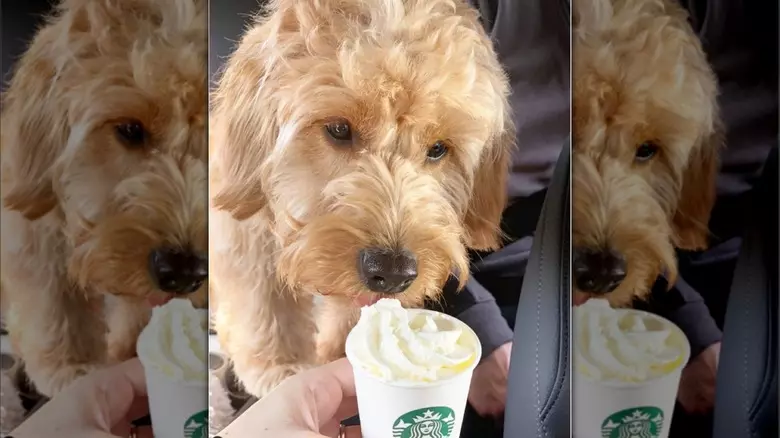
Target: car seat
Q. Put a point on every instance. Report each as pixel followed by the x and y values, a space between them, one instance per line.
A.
pixel 538 402
pixel 20 20
pixel 227 24
pixel 746 391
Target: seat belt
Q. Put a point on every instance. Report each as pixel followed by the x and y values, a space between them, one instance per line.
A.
pixel 538 386
pixel 747 381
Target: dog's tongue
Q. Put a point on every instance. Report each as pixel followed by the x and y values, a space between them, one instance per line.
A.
pixel 157 300
pixel 366 299
pixel 579 298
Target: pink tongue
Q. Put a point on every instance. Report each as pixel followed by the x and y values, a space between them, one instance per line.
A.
pixel 366 299
pixel 579 298
pixel 156 300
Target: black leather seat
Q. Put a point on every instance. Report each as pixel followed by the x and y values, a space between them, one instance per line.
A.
pixel 746 391
pixel 538 402
pixel 227 24
pixel 19 22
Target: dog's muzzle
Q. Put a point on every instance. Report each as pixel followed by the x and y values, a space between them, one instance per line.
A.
pixel 598 272
pixel 178 271
pixel 387 271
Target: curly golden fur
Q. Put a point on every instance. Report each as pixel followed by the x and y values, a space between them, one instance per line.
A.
pixel 291 207
pixel 641 80
pixel 84 207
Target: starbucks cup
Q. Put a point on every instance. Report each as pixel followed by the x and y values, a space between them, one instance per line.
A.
pixel 173 350
pixel 621 409
pixel 178 409
pixel 405 409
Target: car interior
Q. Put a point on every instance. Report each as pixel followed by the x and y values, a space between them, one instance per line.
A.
pixel 746 394
pixel 538 391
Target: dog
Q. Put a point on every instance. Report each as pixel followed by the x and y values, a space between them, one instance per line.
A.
pixel 104 185
pixel 358 148
pixel 646 139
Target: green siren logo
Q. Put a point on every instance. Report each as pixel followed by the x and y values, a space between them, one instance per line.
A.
pixel 641 422
pixel 197 425
pixel 432 422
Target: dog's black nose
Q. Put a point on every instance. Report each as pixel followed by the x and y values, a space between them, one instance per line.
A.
pixel 387 271
pixel 177 270
pixel 598 272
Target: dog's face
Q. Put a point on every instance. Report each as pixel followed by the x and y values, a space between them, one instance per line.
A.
pixel 375 137
pixel 104 126
pixel 646 139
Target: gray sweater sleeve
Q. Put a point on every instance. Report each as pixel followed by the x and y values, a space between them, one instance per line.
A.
pixel 476 306
pixel 685 306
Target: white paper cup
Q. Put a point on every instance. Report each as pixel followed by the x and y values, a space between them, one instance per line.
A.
pixel 178 409
pixel 419 410
pixel 627 409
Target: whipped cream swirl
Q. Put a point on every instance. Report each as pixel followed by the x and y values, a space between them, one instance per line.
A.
pixel 175 341
pixel 410 346
pixel 625 345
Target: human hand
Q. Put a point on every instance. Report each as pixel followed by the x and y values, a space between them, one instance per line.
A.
pixel 307 405
pixel 99 405
pixel 697 384
pixel 487 394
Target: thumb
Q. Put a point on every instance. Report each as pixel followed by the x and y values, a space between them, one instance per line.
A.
pixel 116 391
pixel 329 389
pixel 145 432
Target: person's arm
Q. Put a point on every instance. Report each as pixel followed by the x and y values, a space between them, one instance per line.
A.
pixel 694 318
pixel 475 306
pixel 684 306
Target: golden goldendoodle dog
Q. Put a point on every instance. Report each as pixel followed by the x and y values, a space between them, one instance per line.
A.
pixel 647 134
pixel 104 185
pixel 358 147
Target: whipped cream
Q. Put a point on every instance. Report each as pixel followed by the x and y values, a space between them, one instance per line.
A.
pixel 625 345
pixel 410 346
pixel 175 342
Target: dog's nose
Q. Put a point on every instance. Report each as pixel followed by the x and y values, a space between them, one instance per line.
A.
pixel 598 272
pixel 387 271
pixel 178 270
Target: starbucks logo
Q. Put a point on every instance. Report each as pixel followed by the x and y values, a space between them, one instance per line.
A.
pixel 433 422
pixel 197 425
pixel 641 422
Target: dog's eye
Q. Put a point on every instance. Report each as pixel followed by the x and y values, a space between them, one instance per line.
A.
pixel 339 130
pixel 646 151
pixel 437 151
pixel 132 133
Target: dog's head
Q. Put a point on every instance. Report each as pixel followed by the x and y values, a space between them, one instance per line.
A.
pixel 373 135
pixel 646 137
pixel 104 129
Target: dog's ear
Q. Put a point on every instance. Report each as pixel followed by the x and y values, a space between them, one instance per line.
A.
pixel 697 197
pixel 248 107
pixel 237 155
pixel 35 131
pixel 488 196
pixel 245 111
